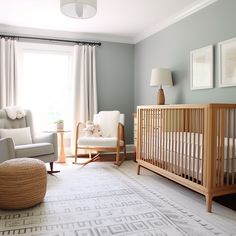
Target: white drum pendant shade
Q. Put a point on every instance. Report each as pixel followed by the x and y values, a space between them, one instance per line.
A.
pixel 82 9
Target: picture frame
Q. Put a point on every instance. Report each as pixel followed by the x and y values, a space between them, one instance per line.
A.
pixel 227 63
pixel 201 68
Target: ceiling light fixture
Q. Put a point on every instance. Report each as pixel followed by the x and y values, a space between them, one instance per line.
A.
pixel 82 9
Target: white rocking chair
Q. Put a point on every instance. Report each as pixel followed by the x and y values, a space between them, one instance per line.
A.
pixel 112 128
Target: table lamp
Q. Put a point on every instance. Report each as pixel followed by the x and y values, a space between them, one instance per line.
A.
pixel 161 77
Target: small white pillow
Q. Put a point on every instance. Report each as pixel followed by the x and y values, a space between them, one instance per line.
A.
pixel 20 136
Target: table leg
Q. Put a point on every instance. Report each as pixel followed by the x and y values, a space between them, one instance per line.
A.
pixel 62 158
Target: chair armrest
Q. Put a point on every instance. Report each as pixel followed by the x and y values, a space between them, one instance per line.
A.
pixel 45 138
pixel 48 138
pixel 7 148
pixel 121 132
pixel 79 126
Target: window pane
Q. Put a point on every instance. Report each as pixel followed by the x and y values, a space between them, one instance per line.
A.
pixel 46 87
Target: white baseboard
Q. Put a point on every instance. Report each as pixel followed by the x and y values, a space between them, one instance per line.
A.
pixel 130 148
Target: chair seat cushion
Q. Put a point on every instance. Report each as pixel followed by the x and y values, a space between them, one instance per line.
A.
pixel 98 142
pixel 34 149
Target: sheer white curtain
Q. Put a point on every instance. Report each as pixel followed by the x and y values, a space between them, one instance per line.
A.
pixel 85 86
pixel 8 72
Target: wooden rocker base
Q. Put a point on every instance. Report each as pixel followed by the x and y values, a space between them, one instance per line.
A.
pixel 95 158
pixel 119 162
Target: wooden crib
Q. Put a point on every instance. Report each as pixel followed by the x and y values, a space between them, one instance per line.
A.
pixel 194 145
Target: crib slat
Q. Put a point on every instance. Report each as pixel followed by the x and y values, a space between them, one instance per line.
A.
pixel 161 137
pixel 145 134
pixel 149 135
pixel 182 138
pixel 172 141
pixel 169 140
pixel 147 120
pixel 153 136
pixel 165 138
pixel 222 145
pixel 190 143
pixel 174 133
pixel 158 136
pixel 145 130
pixel 228 146
pixel 198 142
pixel 202 157
pixel 195 131
pixel 185 144
pixel 233 148
pixel 179 131
pixel 141 130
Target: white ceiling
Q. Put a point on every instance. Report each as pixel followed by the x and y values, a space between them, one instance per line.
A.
pixel 125 20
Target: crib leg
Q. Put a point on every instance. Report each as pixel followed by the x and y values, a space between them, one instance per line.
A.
pixel 138 169
pixel 208 202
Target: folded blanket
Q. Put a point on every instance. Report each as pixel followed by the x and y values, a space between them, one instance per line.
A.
pixel 15 112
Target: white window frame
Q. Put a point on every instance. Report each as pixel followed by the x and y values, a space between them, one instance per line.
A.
pixel 23 47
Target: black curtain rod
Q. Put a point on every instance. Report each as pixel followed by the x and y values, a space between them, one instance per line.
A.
pixel 56 40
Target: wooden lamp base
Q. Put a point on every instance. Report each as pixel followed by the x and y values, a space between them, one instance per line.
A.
pixel 160 97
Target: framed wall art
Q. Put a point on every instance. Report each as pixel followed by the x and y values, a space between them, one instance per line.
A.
pixel 201 68
pixel 227 63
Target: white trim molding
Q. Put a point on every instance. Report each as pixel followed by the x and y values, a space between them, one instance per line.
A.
pixel 196 6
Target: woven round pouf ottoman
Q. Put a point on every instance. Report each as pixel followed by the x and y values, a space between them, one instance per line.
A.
pixel 23 183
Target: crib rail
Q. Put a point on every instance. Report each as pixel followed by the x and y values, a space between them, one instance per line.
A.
pixel 191 144
pixel 171 138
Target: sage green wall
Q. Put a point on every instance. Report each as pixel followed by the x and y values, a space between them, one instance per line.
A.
pixel 115 81
pixel 171 48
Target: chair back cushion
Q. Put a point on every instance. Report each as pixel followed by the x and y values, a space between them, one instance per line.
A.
pixel 7 123
pixel 108 122
pixel 20 136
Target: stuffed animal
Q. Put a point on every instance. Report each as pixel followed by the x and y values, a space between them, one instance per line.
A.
pixel 20 114
pixel 97 131
pixel 15 112
pixel 92 130
pixel 88 130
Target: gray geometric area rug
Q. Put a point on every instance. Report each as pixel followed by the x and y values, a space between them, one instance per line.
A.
pixel 99 200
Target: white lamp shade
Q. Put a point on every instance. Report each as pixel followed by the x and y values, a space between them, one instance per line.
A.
pixel 82 9
pixel 161 77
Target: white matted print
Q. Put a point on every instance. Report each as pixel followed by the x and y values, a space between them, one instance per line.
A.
pixel 227 63
pixel 201 68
